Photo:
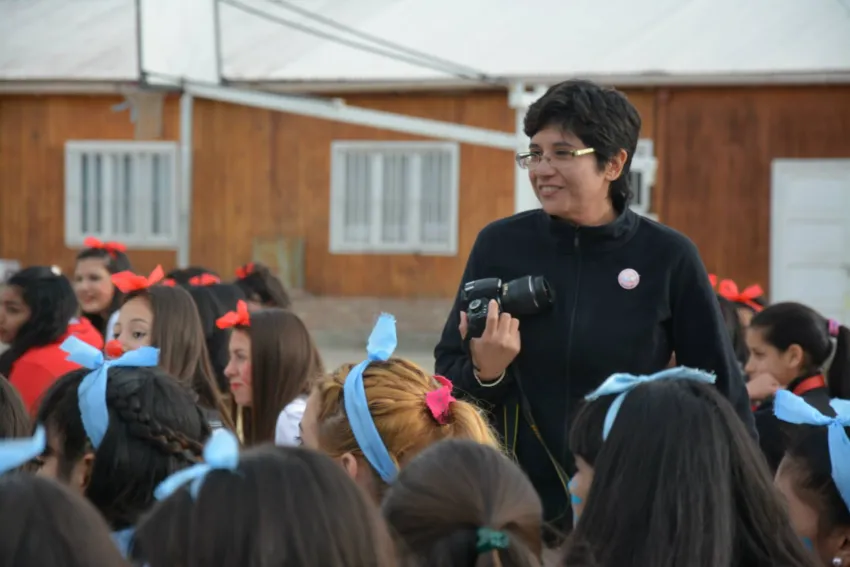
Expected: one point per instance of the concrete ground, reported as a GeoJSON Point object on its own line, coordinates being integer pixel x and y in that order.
{"type": "Point", "coordinates": [334, 357]}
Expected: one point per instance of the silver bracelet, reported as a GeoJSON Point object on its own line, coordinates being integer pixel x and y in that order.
{"type": "Point", "coordinates": [488, 384]}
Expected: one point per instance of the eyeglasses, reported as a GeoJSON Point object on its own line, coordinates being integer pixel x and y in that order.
{"type": "Point", "coordinates": [530, 160]}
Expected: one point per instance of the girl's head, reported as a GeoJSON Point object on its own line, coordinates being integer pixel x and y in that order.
{"type": "Point", "coordinates": [154, 429]}
{"type": "Point", "coordinates": [261, 287]}
{"type": "Point", "coordinates": [290, 506]}
{"type": "Point", "coordinates": [36, 305]}
{"type": "Point", "coordinates": [14, 420]}
{"type": "Point", "coordinates": [790, 340]}
{"type": "Point", "coordinates": [166, 318]}
{"type": "Point", "coordinates": [213, 301]}
{"type": "Point", "coordinates": [273, 360]}
{"type": "Point", "coordinates": [734, 328]}
{"type": "Point", "coordinates": [395, 397]}
{"type": "Point", "coordinates": [95, 265]}
{"type": "Point", "coordinates": [44, 523]}
{"type": "Point", "coordinates": [747, 302]}
{"type": "Point", "coordinates": [677, 481]}
{"type": "Point", "coordinates": [460, 502]}
{"type": "Point", "coordinates": [193, 275]}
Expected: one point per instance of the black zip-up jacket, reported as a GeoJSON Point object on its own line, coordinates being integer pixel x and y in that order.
{"type": "Point", "coordinates": [595, 328]}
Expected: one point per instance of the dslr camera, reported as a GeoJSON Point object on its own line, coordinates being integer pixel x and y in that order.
{"type": "Point", "coordinates": [528, 295]}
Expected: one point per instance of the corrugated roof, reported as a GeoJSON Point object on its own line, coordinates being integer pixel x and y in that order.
{"type": "Point", "coordinates": [96, 39]}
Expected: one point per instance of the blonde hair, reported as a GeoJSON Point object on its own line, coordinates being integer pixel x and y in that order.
{"type": "Point", "coordinates": [395, 390]}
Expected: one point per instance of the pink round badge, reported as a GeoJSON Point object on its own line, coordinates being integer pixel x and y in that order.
{"type": "Point", "coordinates": [628, 278]}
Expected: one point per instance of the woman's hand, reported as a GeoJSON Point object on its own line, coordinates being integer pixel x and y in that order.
{"type": "Point", "coordinates": [498, 346]}
{"type": "Point", "coordinates": [762, 386]}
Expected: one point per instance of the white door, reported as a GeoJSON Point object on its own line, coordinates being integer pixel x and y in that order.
{"type": "Point", "coordinates": [810, 234]}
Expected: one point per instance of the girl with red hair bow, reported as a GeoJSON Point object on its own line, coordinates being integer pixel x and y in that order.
{"type": "Point", "coordinates": [99, 298]}
{"type": "Point", "coordinates": [748, 301]}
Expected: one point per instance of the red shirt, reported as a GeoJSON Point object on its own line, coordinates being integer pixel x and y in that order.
{"type": "Point", "coordinates": [38, 368]}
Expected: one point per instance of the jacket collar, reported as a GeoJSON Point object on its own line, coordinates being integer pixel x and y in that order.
{"type": "Point", "coordinates": [607, 236]}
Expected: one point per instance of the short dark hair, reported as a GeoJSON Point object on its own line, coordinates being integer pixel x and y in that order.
{"type": "Point", "coordinates": [601, 117]}
{"type": "Point", "coordinates": [52, 303]}
{"type": "Point", "coordinates": [262, 286]}
{"type": "Point", "coordinates": [44, 523]}
{"type": "Point", "coordinates": [248, 513]}
{"type": "Point", "coordinates": [685, 482]}
{"type": "Point", "coordinates": [450, 490]}
{"type": "Point", "coordinates": [155, 429]}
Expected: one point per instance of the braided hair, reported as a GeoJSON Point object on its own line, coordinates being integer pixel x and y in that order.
{"type": "Point", "coordinates": [155, 429]}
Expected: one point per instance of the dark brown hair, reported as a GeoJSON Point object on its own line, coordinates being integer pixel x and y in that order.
{"type": "Point", "coordinates": [283, 506]}
{"type": "Point", "coordinates": [261, 286]}
{"type": "Point", "coordinates": [14, 420]}
{"type": "Point", "coordinates": [179, 335]}
{"type": "Point", "coordinates": [450, 490]}
{"type": "Point", "coordinates": [44, 523]}
{"type": "Point", "coordinates": [284, 364]}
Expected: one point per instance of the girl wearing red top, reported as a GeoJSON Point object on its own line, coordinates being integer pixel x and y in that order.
{"type": "Point", "coordinates": [38, 310]}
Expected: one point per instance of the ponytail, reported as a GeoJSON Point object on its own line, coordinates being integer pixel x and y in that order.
{"type": "Point", "coordinates": [838, 375]}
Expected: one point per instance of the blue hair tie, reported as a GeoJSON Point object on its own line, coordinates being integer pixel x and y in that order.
{"type": "Point", "coordinates": [17, 452]}
{"type": "Point", "coordinates": [794, 409]}
{"type": "Point", "coordinates": [623, 383]}
{"type": "Point", "coordinates": [220, 453]}
{"type": "Point", "coordinates": [91, 393]}
{"type": "Point", "coordinates": [381, 345]}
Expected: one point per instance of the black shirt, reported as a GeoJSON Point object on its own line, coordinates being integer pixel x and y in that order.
{"type": "Point", "coordinates": [597, 327]}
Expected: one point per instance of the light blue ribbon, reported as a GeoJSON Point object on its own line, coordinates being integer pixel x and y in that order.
{"type": "Point", "coordinates": [220, 453]}
{"type": "Point", "coordinates": [17, 452]}
{"type": "Point", "coordinates": [381, 345]}
{"type": "Point", "coordinates": [623, 383]}
{"type": "Point", "coordinates": [794, 409]}
{"type": "Point", "coordinates": [91, 392]}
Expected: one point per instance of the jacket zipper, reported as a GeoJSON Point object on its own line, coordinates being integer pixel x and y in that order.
{"type": "Point", "coordinates": [570, 330]}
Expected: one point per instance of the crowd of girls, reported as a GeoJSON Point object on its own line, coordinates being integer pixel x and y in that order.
{"type": "Point", "coordinates": [178, 419]}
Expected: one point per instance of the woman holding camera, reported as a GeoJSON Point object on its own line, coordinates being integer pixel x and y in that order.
{"type": "Point", "coordinates": [628, 291]}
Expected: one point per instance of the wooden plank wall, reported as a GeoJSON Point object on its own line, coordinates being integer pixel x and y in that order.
{"type": "Point", "coordinates": [266, 175]}
{"type": "Point", "coordinates": [33, 132]}
{"type": "Point", "coordinates": [718, 146]}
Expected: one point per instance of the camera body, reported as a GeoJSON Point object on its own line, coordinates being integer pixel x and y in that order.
{"type": "Point", "coordinates": [528, 295]}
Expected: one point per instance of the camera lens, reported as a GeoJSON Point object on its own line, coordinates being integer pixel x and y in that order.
{"type": "Point", "coordinates": [527, 295]}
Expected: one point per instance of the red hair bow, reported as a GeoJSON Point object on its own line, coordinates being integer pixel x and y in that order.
{"type": "Point", "coordinates": [168, 282]}
{"type": "Point", "coordinates": [128, 281]}
{"type": "Point", "coordinates": [439, 400]}
{"type": "Point", "coordinates": [243, 272]}
{"type": "Point", "coordinates": [112, 247]}
{"type": "Point", "coordinates": [114, 349]}
{"type": "Point", "coordinates": [713, 279]}
{"type": "Point", "coordinates": [729, 290]}
{"type": "Point", "coordinates": [238, 318]}
{"type": "Point", "coordinates": [204, 279]}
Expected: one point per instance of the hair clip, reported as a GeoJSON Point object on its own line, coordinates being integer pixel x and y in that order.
{"type": "Point", "coordinates": [112, 247]}
{"type": "Point", "coordinates": [204, 280]}
{"type": "Point", "coordinates": [239, 318]}
{"type": "Point", "coordinates": [56, 270]}
{"type": "Point", "coordinates": [243, 272]}
{"type": "Point", "coordinates": [729, 289]}
{"type": "Point", "coordinates": [128, 281]}
{"type": "Point", "coordinates": [91, 392]}
{"type": "Point", "coordinates": [833, 327]}
{"type": "Point", "coordinates": [381, 345]}
{"type": "Point", "coordinates": [17, 452]}
{"type": "Point", "coordinates": [792, 408]}
{"type": "Point", "coordinates": [623, 383]}
{"type": "Point", "coordinates": [490, 539]}
{"type": "Point", "coordinates": [221, 452]}
{"type": "Point", "coordinates": [439, 400]}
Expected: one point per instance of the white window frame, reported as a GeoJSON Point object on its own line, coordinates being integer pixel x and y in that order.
{"type": "Point", "coordinates": [141, 237]}
{"type": "Point", "coordinates": [338, 244]}
{"type": "Point", "coordinates": [645, 163]}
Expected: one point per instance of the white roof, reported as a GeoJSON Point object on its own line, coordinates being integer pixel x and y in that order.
{"type": "Point", "coordinates": [625, 40]}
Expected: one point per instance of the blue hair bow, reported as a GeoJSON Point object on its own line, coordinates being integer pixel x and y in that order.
{"type": "Point", "coordinates": [623, 383]}
{"type": "Point", "coordinates": [381, 345]}
{"type": "Point", "coordinates": [794, 409]}
{"type": "Point", "coordinates": [91, 392]}
{"type": "Point", "coordinates": [16, 452]}
{"type": "Point", "coordinates": [221, 452]}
